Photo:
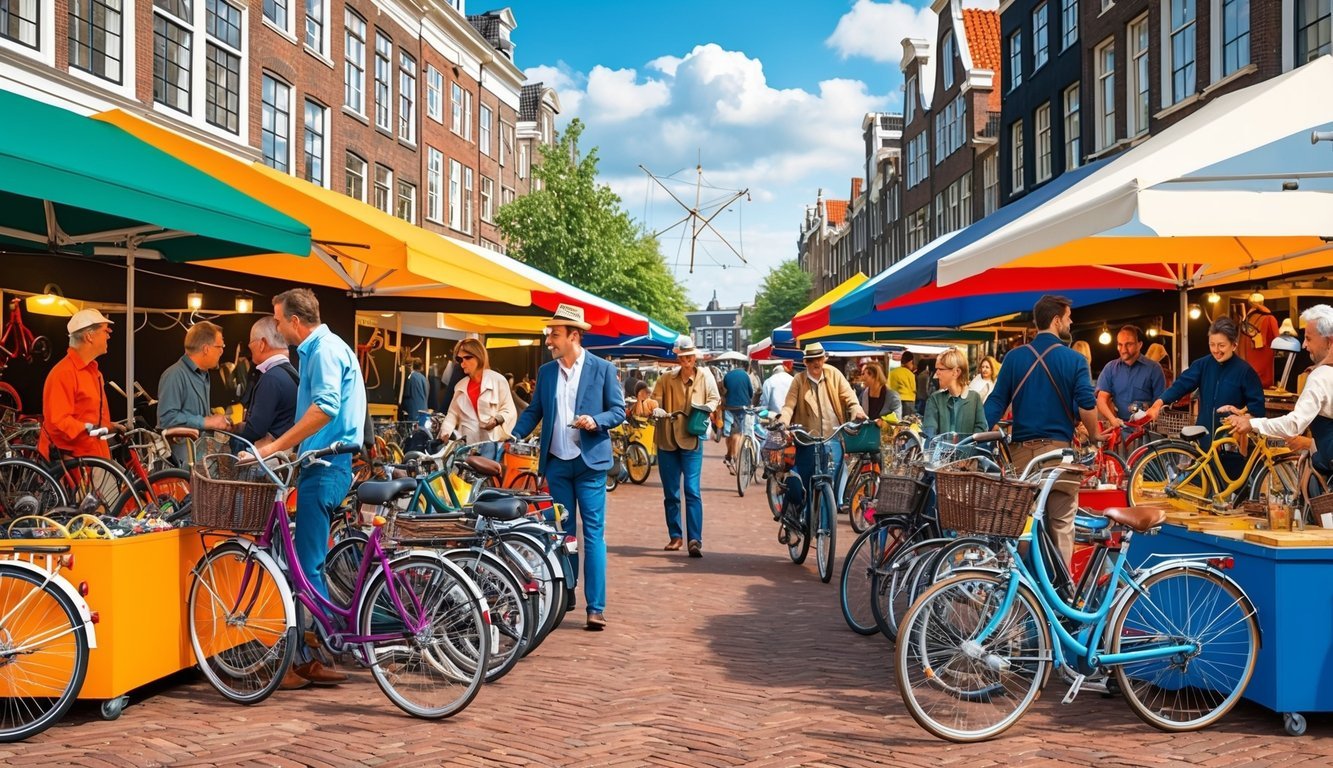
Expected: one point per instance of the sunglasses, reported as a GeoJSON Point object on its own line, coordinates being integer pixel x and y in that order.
{"type": "Point", "coordinates": [460, 358]}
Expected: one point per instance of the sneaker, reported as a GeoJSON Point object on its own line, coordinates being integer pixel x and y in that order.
{"type": "Point", "coordinates": [696, 548]}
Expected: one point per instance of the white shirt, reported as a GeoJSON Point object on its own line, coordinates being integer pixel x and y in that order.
{"type": "Point", "coordinates": [981, 386]}
{"type": "Point", "coordinates": [564, 438]}
{"type": "Point", "coordinates": [1315, 400]}
{"type": "Point", "coordinates": [272, 361]}
{"type": "Point", "coordinates": [775, 391]}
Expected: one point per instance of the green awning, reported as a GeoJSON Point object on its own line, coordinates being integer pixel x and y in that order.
{"type": "Point", "coordinates": [70, 183]}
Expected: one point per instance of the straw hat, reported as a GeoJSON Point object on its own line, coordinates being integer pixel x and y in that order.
{"type": "Point", "coordinates": [570, 315]}
{"type": "Point", "coordinates": [814, 350]}
{"type": "Point", "coordinates": [684, 346]}
{"type": "Point", "coordinates": [86, 318]}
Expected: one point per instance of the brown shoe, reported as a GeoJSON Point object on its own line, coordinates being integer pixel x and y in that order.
{"type": "Point", "coordinates": [292, 681]}
{"type": "Point", "coordinates": [674, 545]}
{"type": "Point", "coordinates": [696, 548]}
{"type": "Point", "coordinates": [319, 674]}
{"type": "Point", "coordinates": [596, 621]}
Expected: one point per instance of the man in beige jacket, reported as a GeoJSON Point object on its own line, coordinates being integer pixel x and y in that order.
{"type": "Point", "coordinates": [818, 401]}
{"type": "Point", "coordinates": [680, 454]}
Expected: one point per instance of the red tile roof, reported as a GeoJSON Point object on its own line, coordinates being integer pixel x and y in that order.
{"type": "Point", "coordinates": [837, 212]}
{"type": "Point", "coordinates": [983, 41]}
{"type": "Point", "coordinates": [856, 188]}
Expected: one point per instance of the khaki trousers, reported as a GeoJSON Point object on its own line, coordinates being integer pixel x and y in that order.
{"type": "Point", "coordinates": [1063, 501]}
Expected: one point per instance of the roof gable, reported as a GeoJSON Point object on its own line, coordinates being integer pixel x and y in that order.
{"type": "Point", "coordinates": [983, 43]}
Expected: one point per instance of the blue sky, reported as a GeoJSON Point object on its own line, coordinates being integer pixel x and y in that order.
{"type": "Point", "coordinates": [771, 94]}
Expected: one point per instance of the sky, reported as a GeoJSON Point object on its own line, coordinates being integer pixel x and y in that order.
{"type": "Point", "coordinates": [767, 96]}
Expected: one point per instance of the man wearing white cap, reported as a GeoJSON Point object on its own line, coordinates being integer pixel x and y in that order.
{"type": "Point", "coordinates": [578, 400]}
{"type": "Point", "coordinates": [75, 395]}
{"type": "Point", "coordinates": [680, 454]}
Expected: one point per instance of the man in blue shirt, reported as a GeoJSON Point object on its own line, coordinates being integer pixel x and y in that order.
{"type": "Point", "coordinates": [1129, 379]}
{"type": "Point", "coordinates": [330, 408]}
{"type": "Point", "coordinates": [414, 394]}
{"type": "Point", "coordinates": [737, 395]}
{"type": "Point", "coordinates": [1046, 383]}
{"type": "Point", "coordinates": [184, 392]}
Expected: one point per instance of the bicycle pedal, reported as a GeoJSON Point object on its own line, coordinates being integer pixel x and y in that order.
{"type": "Point", "coordinates": [1074, 689]}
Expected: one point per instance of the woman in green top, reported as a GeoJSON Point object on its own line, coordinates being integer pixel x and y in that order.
{"type": "Point", "coordinates": [953, 408]}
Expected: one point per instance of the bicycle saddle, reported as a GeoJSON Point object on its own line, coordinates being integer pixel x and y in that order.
{"type": "Point", "coordinates": [1141, 519]}
{"type": "Point", "coordinates": [484, 466]}
{"type": "Point", "coordinates": [1193, 433]}
{"type": "Point", "coordinates": [385, 491]}
{"type": "Point", "coordinates": [179, 433]}
{"type": "Point", "coordinates": [527, 497]}
{"type": "Point", "coordinates": [500, 509]}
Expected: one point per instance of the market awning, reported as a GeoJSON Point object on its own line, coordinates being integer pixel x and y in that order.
{"type": "Point", "coordinates": [70, 184]}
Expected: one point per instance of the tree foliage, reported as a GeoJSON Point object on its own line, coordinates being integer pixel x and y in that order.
{"type": "Point", "coordinates": [785, 291]}
{"type": "Point", "coordinates": [573, 228]}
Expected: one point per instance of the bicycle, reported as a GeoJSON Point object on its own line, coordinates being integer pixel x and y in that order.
{"type": "Point", "coordinates": [802, 520]}
{"type": "Point", "coordinates": [747, 456]}
{"type": "Point", "coordinates": [976, 649]}
{"type": "Point", "coordinates": [415, 619]}
{"type": "Point", "coordinates": [19, 343]}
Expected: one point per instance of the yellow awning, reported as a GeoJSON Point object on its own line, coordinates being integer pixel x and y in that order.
{"type": "Point", "coordinates": [496, 324]}
{"type": "Point", "coordinates": [835, 293]}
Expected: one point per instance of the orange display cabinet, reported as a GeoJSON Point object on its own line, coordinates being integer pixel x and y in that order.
{"type": "Point", "coordinates": [137, 586]}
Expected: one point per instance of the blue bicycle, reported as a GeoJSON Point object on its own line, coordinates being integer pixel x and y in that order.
{"type": "Point", "coordinates": [801, 519]}
{"type": "Point", "coordinates": [1179, 637]}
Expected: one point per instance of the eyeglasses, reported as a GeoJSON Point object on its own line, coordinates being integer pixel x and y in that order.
{"type": "Point", "coordinates": [460, 358]}
{"type": "Point", "coordinates": [218, 346]}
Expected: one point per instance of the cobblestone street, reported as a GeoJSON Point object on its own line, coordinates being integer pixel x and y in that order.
{"type": "Point", "coordinates": [740, 658]}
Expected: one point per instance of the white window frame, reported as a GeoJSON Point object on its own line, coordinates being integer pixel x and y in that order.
{"type": "Point", "coordinates": [910, 99]}
{"type": "Point", "coordinates": [434, 185]}
{"type": "Point", "coordinates": [1104, 116]}
{"type": "Point", "coordinates": [506, 146]}
{"type": "Point", "coordinates": [1324, 23]}
{"type": "Point", "coordinates": [284, 26]}
{"type": "Point", "coordinates": [354, 67]}
{"type": "Point", "coordinates": [1015, 59]}
{"type": "Point", "coordinates": [455, 193]}
{"type": "Point", "coordinates": [407, 96]}
{"type": "Point", "coordinates": [322, 151]}
{"type": "Point", "coordinates": [469, 188]}
{"type": "Point", "coordinates": [283, 99]}
{"type": "Point", "coordinates": [1180, 80]}
{"type": "Point", "coordinates": [44, 47]}
{"type": "Point", "coordinates": [200, 40]}
{"type": "Point", "coordinates": [946, 59]}
{"type": "Point", "coordinates": [487, 199]}
{"type": "Point", "coordinates": [456, 108]}
{"type": "Point", "coordinates": [1224, 34]}
{"type": "Point", "coordinates": [1041, 35]}
{"type": "Point", "coordinates": [523, 160]}
{"type": "Point", "coordinates": [1042, 133]}
{"type": "Point", "coordinates": [1073, 130]}
{"type": "Point", "coordinates": [1016, 174]}
{"type": "Point", "coordinates": [990, 184]}
{"type": "Point", "coordinates": [486, 116]}
{"type": "Point", "coordinates": [125, 44]}
{"type": "Point", "coordinates": [1137, 106]}
{"type": "Point", "coordinates": [1068, 24]}
{"type": "Point", "coordinates": [348, 157]}
{"type": "Point", "coordinates": [322, 48]}
{"type": "Point", "coordinates": [411, 201]}
{"type": "Point", "coordinates": [383, 66]}
{"type": "Point", "coordinates": [387, 186]}
{"type": "Point", "coordinates": [434, 94]}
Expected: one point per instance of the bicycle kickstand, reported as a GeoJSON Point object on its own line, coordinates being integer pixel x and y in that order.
{"type": "Point", "coordinates": [1074, 689]}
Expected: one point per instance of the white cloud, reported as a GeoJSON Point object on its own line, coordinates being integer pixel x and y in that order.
{"type": "Point", "coordinates": [568, 83]}
{"type": "Point", "coordinates": [614, 95]}
{"type": "Point", "coordinates": [876, 30]}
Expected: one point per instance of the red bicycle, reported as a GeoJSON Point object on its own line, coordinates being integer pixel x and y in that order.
{"type": "Point", "coordinates": [19, 343]}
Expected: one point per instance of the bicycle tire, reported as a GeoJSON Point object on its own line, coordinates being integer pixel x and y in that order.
{"type": "Point", "coordinates": [895, 581]}
{"type": "Point", "coordinates": [637, 463]}
{"type": "Point", "coordinates": [1159, 464]}
{"type": "Point", "coordinates": [27, 488]}
{"type": "Point", "coordinates": [34, 610]}
{"type": "Point", "coordinates": [856, 584]}
{"type": "Point", "coordinates": [451, 651]}
{"type": "Point", "coordinates": [862, 493]}
{"type": "Point", "coordinates": [93, 481]}
{"type": "Point", "coordinates": [164, 485]}
{"type": "Point", "coordinates": [1286, 469]}
{"type": "Point", "coordinates": [744, 466]}
{"type": "Point", "coordinates": [510, 609]}
{"type": "Point", "coordinates": [241, 666]}
{"type": "Point", "coordinates": [9, 398]}
{"type": "Point", "coordinates": [341, 566]}
{"type": "Point", "coordinates": [525, 481]}
{"type": "Point", "coordinates": [964, 552]}
{"type": "Point", "coordinates": [550, 582]}
{"type": "Point", "coordinates": [826, 532]}
{"type": "Point", "coordinates": [948, 680]}
{"type": "Point", "coordinates": [775, 490]}
{"type": "Point", "coordinates": [799, 547]}
{"type": "Point", "coordinates": [1228, 633]}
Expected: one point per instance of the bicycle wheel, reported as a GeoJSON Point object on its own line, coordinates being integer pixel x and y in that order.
{"type": "Point", "coordinates": [1185, 692]}
{"type": "Point", "coordinates": [27, 489]}
{"type": "Point", "coordinates": [775, 488]}
{"type": "Point", "coordinates": [43, 653]}
{"type": "Point", "coordinates": [1162, 471]}
{"type": "Point", "coordinates": [550, 582]}
{"type": "Point", "coordinates": [242, 621]}
{"type": "Point", "coordinates": [431, 657]}
{"type": "Point", "coordinates": [9, 398]}
{"type": "Point", "coordinates": [795, 530]}
{"type": "Point", "coordinates": [824, 518]}
{"type": "Point", "coordinates": [341, 566]}
{"type": "Point", "coordinates": [858, 574]}
{"type": "Point", "coordinates": [966, 552]}
{"type": "Point", "coordinates": [1111, 470]}
{"type": "Point", "coordinates": [638, 463]}
{"type": "Point", "coordinates": [1285, 478]}
{"type": "Point", "coordinates": [745, 460]}
{"type": "Point", "coordinates": [525, 481]}
{"type": "Point", "coordinates": [93, 484]}
{"type": "Point", "coordinates": [962, 687]}
{"type": "Point", "coordinates": [895, 578]}
{"type": "Point", "coordinates": [511, 611]}
{"type": "Point", "coordinates": [167, 491]}
{"type": "Point", "coordinates": [863, 492]}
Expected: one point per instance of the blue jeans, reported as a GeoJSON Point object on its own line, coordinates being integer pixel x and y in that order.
{"type": "Point", "coordinates": [319, 491]}
{"type": "Point", "coordinates": [805, 466]}
{"type": "Point", "coordinates": [582, 491]}
{"type": "Point", "coordinates": [672, 465]}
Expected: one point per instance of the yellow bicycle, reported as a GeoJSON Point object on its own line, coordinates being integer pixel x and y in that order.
{"type": "Point", "coordinates": [1179, 473]}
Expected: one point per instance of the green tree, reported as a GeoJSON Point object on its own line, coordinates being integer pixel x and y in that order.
{"type": "Point", "coordinates": [573, 228]}
{"type": "Point", "coordinates": [786, 291]}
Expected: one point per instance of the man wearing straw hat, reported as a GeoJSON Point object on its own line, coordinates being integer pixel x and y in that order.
{"type": "Point", "coordinates": [680, 454]}
{"type": "Point", "coordinates": [819, 400]}
{"type": "Point", "coordinates": [577, 401]}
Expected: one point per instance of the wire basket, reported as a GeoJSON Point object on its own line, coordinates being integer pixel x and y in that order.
{"type": "Point", "coordinates": [1170, 422]}
{"type": "Point", "coordinates": [900, 495]}
{"type": "Point", "coordinates": [980, 504]}
{"type": "Point", "coordinates": [226, 495]}
{"type": "Point", "coordinates": [409, 527]}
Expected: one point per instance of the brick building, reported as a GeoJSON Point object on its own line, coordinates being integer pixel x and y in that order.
{"type": "Point", "coordinates": [413, 108]}
{"type": "Point", "coordinates": [719, 328]}
{"type": "Point", "coordinates": [820, 229]}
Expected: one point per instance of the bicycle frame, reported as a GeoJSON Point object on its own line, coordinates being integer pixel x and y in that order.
{"type": "Point", "coordinates": [1209, 464]}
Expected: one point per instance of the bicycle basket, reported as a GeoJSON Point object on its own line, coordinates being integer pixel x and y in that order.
{"type": "Point", "coordinates": [864, 440]}
{"type": "Point", "coordinates": [973, 502]}
{"type": "Point", "coordinates": [900, 495]}
{"type": "Point", "coordinates": [777, 452]}
{"type": "Point", "coordinates": [1170, 422]}
{"type": "Point", "coordinates": [407, 527]}
{"type": "Point", "coordinates": [1320, 504]}
{"type": "Point", "coordinates": [224, 495]}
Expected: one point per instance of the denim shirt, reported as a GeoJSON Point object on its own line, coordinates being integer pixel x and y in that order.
{"type": "Point", "coordinates": [1037, 410]}
{"type": "Point", "coordinates": [331, 381]}
{"type": "Point", "coordinates": [183, 395]}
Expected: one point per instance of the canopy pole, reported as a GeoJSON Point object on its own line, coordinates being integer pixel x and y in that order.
{"type": "Point", "coordinates": [1183, 330]}
{"type": "Point", "coordinates": [129, 332]}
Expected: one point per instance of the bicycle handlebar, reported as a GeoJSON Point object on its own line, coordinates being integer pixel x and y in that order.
{"type": "Point", "coordinates": [799, 431]}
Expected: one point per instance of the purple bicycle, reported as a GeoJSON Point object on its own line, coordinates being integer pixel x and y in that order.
{"type": "Point", "coordinates": [413, 618]}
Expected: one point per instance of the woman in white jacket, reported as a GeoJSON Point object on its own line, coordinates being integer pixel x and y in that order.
{"type": "Point", "coordinates": [482, 409]}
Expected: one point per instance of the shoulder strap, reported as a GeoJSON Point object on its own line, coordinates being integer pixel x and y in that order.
{"type": "Point", "coordinates": [1040, 361]}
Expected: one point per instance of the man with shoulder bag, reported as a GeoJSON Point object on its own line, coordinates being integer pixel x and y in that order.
{"type": "Point", "coordinates": [680, 452]}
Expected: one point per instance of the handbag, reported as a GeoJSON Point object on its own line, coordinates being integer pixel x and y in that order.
{"type": "Point", "coordinates": [697, 422]}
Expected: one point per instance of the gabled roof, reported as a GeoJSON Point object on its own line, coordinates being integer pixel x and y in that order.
{"type": "Point", "coordinates": [529, 101]}
{"type": "Point", "coordinates": [837, 212]}
{"type": "Point", "coordinates": [983, 42]}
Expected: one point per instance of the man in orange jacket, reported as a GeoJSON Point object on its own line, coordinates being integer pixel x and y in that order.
{"type": "Point", "coordinates": [74, 395]}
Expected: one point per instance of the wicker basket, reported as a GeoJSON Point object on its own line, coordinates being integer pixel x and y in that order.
{"type": "Point", "coordinates": [1319, 505]}
{"type": "Point", "coordinates": [405, 526]}
{"type": "Point", "coordinates": [900, 495]}
{"type": "Point", "coordinates": [981, 504]}
{"type": "Point", "coordinates": [224, 495]}
{"type": "Point", "coordinates": [1170, 422]}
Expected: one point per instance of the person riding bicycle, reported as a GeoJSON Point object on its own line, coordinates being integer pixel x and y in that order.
{"type": "Point", "coordinates": [74, 395]}
{"type": "Point", "coordinates": [680, 453]}
{"type": "Point", "coordinates": [1314, 408]}
{"type": "Point", "coordinates": [738, 394]}
{"type": "Point", "coordinates": [819, 400]}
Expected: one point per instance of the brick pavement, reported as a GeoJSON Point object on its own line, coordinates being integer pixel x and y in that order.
{"type": "Point", "coordinates": [741, 658]}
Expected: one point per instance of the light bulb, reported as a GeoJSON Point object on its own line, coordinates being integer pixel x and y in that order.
{"type": "Point", "coordinates": [1152, 331]}
{"type": "Point", "coordinates": [1105, 337]}
{"type": "Point", "coordinates": [1212, 297]}
{"type": "Point", "coordinates": [244, 305]}
{"type": "Point", "coordinates": [1195, 311]}
{"type": "Point", "coordinates": [194, 300]}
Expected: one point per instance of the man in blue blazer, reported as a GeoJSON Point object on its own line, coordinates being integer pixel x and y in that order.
{"type": "Point", "coordinates": [577, 401]}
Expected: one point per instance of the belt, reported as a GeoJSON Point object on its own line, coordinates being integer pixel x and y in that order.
{"type": "Point", "coordinates": [1042, 441]}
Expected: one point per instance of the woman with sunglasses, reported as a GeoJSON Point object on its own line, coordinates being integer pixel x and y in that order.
{"type": "Point", "coordinates": [482, 409]}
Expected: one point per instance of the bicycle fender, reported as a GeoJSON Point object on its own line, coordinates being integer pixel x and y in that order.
{"type": "Point", "coordinates": [80, 605]}
{"type": "Point", "coordinates": [1113, 615]}
{"type": "Point", "coordinates": [284, 588]}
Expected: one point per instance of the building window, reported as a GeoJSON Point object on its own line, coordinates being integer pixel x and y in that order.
{"type": "Point", "coordinates": [172, 41]}
{"type": "Point", "coordinates": [313, 145]}
{"type": "Point", "coordinates": [355, 170]}
{"type": "Point", "coordinates": [383, 188]}
{"type": "Point", "coordinates": [434, 94]}
{"type": "Point", "coordinates": [487, 199]}
{"type": "Point", "coordinates": [1042, 123]}
{"type": "Point", "coordinates": [507, 195]}
{"type": "Point", "coordinates": [1180, 51]}
{"type": "Point", "coordinates": [276, 123]}
{"type": "Point", "coordinates": [383, 83]}
{"type": "Point", "coordinates": [468, 190]}
{"type": "Point", "coordinates": [1104, 57]}
{"type": "Point", "coordinates": [407, 202]}
{"type": "Point", "coordinates": [917, 160]}
{"type": "Point", "coordinates": [909, 100]}
{"type": "Point", "coordinates": [1073, 143]}
{"type": "Point", "coordinates": [434, 184]}
{"type": "Point", "coordinates": [1015, 59]}
{"type": "Point", "coordinates": [1136, 114]}
{"type": "Point", "coordinates": [95, 29]}
{"type": "Point", "coordinates": [522, 161]}
{"type": "Point", "coordinates": [1235, 35]}
{"type": "Point", "coordinates": [276, 12]}
{"type": "Point", "coordinates": [918, 228]}
{"type": "Point", "coordinates": [953, 206]}
{"type": "Point", "coordinates": [1041, 36]}
{"type": "Point", "coordinates": [456, 108]}
{"type": "Point", "coordinates": [407, 97]}
{"type": "Point", "coordinates": [1314, 29]}
{"type": "Point", "coordinates": [1016, 155]}
{"type": "Point", "coordinates": [222, 67]}
{"type": "Point", "coordinates": [506, 141]}
{"type": "Point", "coordinates": [354, 64]}
{"type": "Point", "coordinates": [20, 21]}
{"type": "Point", "coordinates": [455, 194]}
{"type": "Point", "coordinates": [484, 130]}
{"type": "Point", "coordinates": [1068, 23]}
{"type": "Point", "coordinates": [315, 13]}
{"type": "Point", "coordinates": [950, 128]}
{"type": "Point", "coordinates": [990, 184]}
{"type": "Point", "coordinates": [946, 59]}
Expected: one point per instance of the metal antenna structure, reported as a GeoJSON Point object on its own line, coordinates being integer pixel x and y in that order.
{"type": "Point", "coordinates": [699, 218]}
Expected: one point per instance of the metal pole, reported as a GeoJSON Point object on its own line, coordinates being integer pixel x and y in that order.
{"type": "Point", "coordinates": [129, 333]}
{"type": "Point", "coordinates": [1183, 330]}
